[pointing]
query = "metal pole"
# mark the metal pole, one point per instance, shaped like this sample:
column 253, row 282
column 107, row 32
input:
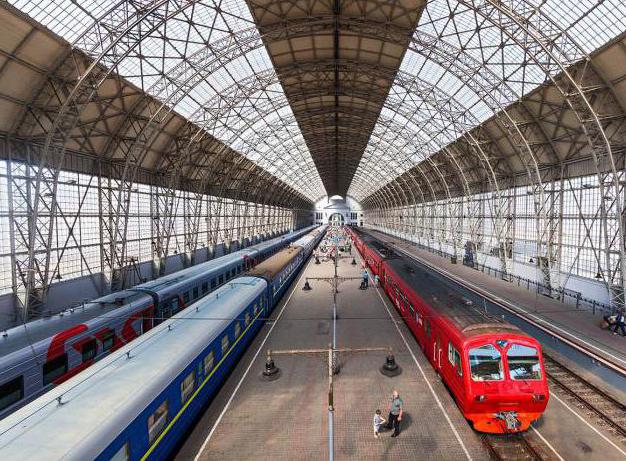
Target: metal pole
column 335, row 299
column 331, row 435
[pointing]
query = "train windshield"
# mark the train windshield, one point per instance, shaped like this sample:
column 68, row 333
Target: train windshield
column 486, row 363
column 523, row 362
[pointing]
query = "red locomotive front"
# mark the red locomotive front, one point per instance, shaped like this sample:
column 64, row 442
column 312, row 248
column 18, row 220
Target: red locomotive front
column 505, row 380
column 494, row 370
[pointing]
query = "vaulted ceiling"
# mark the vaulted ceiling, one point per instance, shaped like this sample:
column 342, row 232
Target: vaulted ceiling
column 336, row 71
column 386, row 101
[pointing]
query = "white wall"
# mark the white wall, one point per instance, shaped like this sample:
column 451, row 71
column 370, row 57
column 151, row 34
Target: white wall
column 589, row 288
column 347, row 207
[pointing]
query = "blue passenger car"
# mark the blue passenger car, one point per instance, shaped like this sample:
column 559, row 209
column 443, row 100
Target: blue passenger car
column 46, row 352
column 139, row 401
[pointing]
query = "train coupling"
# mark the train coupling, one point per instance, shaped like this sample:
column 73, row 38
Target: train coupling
column 510, row 419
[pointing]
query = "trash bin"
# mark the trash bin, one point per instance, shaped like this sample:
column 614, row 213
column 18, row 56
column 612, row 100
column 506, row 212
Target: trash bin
column 453, row 259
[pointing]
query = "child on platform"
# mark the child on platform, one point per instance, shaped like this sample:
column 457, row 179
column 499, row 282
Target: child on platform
column 378, row 421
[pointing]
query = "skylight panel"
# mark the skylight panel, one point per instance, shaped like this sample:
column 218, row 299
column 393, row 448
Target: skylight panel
column 155, row 62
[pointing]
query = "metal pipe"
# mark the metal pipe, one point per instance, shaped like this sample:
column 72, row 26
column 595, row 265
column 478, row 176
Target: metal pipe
column 272, row 353
column 331, row 442
column 331, row 438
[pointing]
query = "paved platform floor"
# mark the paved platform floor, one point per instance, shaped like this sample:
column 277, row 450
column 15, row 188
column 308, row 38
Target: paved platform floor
column 287, row 419
column 580, row 324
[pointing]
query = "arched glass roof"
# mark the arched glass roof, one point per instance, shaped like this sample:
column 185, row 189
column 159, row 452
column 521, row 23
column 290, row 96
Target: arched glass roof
column 304, row 99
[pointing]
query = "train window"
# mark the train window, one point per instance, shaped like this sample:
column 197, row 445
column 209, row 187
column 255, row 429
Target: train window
column 209, row 360
column 455, row 359
column 107, row 341
column 11, row 392
column 213, row 284
column 221, row 279
column 54, row 368
column 256, row 309
column 89, row 350
column 195, row 293
column 226, row 275
column 174, row 304
column 247, row 318
column 205, row 287
column 412, row 309
column 186, row 297
column 523, row 362
column 485, row 363
column 225, row 344
column 237, row 329
column 186, row 387
column 123, row 454
column 157, row 421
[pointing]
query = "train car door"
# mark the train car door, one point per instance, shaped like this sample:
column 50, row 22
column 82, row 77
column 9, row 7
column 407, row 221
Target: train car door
column 436, row 348
column 455, row 381
column 167, row 308
column 147, row 321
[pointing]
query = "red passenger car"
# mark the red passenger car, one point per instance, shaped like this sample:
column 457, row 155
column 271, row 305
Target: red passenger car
column 373, row 251
column 493, row 370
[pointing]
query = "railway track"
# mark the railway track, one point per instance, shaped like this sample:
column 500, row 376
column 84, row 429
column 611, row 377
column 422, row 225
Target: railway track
column 607, row 412
column 511, row 447
column 604, row 411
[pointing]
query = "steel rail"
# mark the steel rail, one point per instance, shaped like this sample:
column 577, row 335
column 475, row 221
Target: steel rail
column 618, row 408
column 500, row 447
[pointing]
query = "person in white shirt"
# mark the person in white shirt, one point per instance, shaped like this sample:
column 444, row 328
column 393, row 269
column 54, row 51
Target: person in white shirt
column 378, row 422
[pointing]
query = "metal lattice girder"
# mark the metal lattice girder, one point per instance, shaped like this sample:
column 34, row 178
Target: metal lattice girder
column 529, row 137
column 554, row 64
column 115, row 38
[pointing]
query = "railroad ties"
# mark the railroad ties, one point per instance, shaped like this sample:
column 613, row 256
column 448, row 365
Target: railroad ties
column 509, row 447
column 606, row 411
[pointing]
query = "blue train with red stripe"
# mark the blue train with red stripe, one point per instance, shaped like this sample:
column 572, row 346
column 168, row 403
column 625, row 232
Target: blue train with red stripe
column 46, row 352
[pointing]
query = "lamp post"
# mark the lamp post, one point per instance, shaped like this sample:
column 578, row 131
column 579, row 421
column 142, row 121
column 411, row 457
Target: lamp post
column 389, row 368
column 272, row 372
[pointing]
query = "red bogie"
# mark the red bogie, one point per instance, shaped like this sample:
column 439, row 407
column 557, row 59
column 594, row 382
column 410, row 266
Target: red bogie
column 485, row 403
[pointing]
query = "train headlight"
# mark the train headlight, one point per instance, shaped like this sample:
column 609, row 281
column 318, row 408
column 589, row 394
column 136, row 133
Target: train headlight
column 539, row 397
column 481, row 398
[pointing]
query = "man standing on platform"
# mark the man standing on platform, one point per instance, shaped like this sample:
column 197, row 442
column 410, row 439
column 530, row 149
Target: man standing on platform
column 366, row 278
column 620, row 323
column 395, row 413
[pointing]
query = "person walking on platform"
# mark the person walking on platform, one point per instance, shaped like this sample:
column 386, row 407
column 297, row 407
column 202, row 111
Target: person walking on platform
column 366, row 279
column 619, row 323
column 395, row 413
column 376, row 280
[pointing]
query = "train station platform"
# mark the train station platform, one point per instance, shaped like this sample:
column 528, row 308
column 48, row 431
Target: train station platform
column 580, row 326
column 287, row 418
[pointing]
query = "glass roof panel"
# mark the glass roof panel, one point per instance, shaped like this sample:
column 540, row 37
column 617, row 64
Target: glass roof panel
column 494, row 72
column 192, row 65
column 498, row 58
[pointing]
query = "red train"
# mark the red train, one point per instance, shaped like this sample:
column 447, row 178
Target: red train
column 493, row 370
